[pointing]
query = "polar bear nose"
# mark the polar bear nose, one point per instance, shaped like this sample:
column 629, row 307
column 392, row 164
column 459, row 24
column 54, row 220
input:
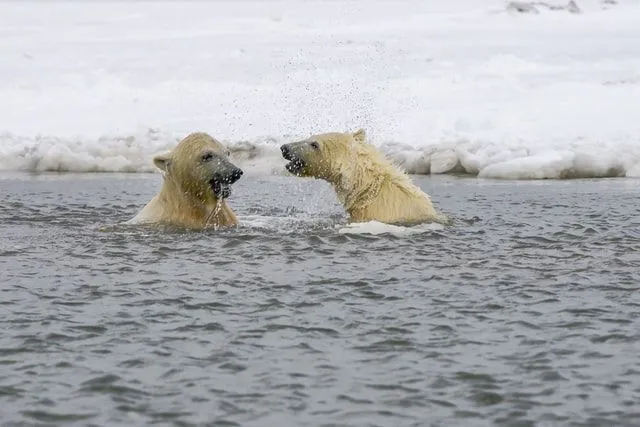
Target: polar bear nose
column 286, row 151
column 236, row 174
column 228, row 176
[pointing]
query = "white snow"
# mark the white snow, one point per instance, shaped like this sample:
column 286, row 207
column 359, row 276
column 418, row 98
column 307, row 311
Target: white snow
column 459, row 86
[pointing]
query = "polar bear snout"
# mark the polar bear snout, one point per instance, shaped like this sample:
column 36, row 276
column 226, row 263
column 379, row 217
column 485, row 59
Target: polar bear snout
column 223, row 178
column 221, row 182
column 286, row 151
column 291, row 152
column 235, row 175
column 228, row 176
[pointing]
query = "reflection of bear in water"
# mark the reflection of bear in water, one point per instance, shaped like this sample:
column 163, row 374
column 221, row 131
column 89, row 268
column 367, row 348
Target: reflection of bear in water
column 197, row 180
column 367, row 184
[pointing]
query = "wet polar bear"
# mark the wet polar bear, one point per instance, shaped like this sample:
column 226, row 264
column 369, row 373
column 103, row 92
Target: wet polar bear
column 197, row 181
column 368, row 185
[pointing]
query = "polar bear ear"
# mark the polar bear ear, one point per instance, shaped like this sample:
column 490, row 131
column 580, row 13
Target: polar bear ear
column 360, row 135
column 162, row 161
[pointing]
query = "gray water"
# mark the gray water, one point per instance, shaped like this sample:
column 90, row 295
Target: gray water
column 525, row 312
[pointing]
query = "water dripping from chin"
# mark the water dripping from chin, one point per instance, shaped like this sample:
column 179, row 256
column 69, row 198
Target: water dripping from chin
column 214, row 212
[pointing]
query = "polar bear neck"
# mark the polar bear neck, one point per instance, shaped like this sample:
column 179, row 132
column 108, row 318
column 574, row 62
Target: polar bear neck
column 357, row 194
column 362, row 176
column 186, row 204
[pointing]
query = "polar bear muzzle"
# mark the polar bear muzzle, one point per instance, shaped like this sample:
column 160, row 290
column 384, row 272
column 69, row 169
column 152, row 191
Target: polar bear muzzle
column 224, row 177
column 293, row 153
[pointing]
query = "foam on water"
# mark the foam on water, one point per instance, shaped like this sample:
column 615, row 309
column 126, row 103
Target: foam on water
column 468, row 87
column 284, row 224
column 376, row 228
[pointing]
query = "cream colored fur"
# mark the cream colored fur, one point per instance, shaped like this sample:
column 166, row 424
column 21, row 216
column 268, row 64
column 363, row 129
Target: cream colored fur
column 186, row 199
column 369, row 186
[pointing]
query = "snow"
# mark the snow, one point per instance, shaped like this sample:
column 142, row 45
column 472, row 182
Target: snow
column 464, row 86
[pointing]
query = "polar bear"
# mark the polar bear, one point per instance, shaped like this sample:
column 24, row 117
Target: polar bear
column 197, row 181
column 369, row 186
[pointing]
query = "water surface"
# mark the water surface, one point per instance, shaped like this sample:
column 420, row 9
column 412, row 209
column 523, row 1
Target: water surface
column 525, row 312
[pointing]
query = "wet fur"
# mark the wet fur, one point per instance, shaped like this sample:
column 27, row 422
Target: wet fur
column 369, row 186
column 186, row 199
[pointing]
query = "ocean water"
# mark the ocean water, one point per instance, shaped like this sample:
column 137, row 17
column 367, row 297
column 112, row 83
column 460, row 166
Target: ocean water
column 523, row 313
column 523, row 127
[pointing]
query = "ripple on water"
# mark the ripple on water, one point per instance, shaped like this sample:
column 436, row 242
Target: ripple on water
column 521, row 314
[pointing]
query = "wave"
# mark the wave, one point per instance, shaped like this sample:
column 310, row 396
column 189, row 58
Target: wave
column 516, row 160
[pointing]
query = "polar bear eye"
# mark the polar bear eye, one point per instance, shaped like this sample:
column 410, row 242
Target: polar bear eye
column 207, row 157
column 315, row 145
column 228, row 153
